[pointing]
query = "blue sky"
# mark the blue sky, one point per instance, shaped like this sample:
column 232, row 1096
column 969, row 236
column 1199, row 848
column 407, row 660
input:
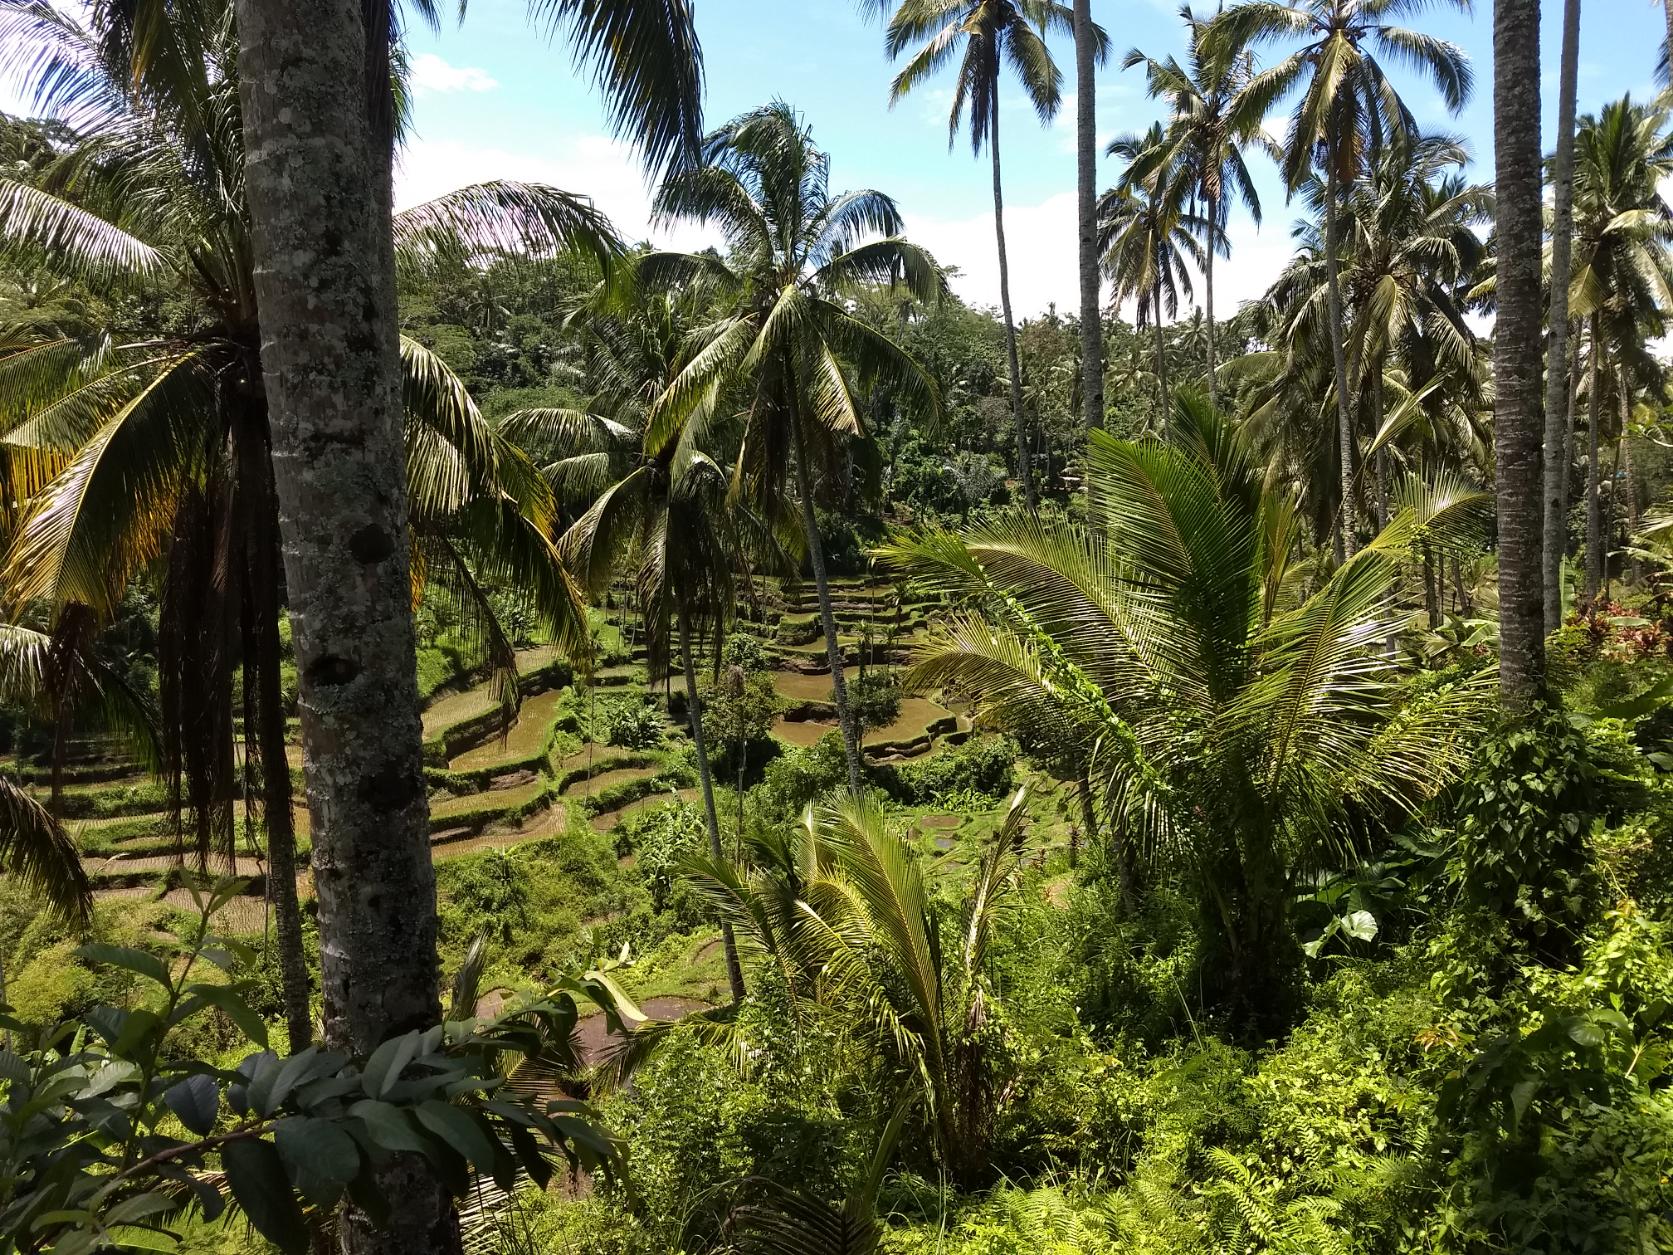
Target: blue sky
column 496, row 99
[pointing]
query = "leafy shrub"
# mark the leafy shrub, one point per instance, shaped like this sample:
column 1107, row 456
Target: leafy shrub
column 628, row 720
column 874, row 698
column 1523, row 814
column 50, row 987
column 983, row 769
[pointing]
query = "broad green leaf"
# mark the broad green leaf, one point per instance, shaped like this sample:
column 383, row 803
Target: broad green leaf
column 384, row 1068
column 195, row 1102
column 459, row 1131
column 145, row 964
column 320, row 1157
column 387, row 1126
column 259, row 1184
column 232, row 1004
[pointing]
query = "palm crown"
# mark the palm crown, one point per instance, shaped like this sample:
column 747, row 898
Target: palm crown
column 1227, row 722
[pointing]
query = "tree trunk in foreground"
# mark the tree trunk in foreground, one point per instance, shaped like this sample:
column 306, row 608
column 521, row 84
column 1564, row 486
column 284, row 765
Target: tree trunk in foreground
column 1025, row 475
column 1556, row 371
column 324, row 267
column 694, row 709
column 1516, row 352
column 1086, row 204
column 1339, row 363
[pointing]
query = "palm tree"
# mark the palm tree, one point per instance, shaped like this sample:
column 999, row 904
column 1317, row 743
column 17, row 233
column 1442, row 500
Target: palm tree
column 983, row 35
column 841, row 908
column 1231, row 724
column 1088, row 55
column 1148, row 236
column 1347, row 113
column 784, row 344
column 1215, row 115
column 1516, row 356
column 659, row 511
column 1623, row 267
column 158, row 443
column 1557, row 453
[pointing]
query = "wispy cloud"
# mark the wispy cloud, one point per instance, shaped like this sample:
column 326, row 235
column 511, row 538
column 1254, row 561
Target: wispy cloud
column 430, row 73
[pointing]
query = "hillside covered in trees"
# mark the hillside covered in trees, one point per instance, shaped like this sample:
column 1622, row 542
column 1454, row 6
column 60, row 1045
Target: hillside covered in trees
column 515, row 738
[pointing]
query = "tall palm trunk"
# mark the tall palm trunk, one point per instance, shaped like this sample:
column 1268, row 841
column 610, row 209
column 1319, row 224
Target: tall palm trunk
column 1024, row 471
column 1556, row 375
column 1163, row 391
column 1208, row 299
column 822, row 582
column 1339, row 362
column 694, row 709
column 318, row 192
column 1623, row 457
column 1517, row 428
column 1594, row 471
column 263, row 666
column 1086, row 204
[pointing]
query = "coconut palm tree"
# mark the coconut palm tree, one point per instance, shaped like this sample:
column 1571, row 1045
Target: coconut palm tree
column 1623, row 267
column 1148, row 235
column 1088, row 55
column 157, row 443
column 1230, row 724
column 1557, row 415
column 1517, row 425
column 841, row 908
column 658, row 511
column 317, row 73
column 1348, row 111
column 982, row 36
column 784, row 346
column 1215, row 116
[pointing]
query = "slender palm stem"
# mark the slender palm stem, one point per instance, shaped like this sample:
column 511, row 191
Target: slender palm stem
column 1162, row 389
column 1208, row 297
column 694, row 710
column 1024, row 471
column 1339, row 361
column 1556, row 377
column 1594, row 477
column 263, row 562
column 1086, row 192
column 822, row 583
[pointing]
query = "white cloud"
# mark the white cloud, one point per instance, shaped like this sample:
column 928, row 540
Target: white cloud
column 429, row 73
column 1041, row 242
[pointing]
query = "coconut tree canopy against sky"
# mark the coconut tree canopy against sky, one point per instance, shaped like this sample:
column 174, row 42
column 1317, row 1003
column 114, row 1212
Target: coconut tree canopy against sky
column 494, row 100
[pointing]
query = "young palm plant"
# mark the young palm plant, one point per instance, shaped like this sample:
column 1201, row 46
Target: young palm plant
column 785, row 347
column 657, row 509
column 1237, row 732
column 842, row 911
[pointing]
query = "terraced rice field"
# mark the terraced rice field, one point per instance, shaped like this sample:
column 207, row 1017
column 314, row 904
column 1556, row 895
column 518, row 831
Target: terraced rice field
column 132, row 846
column 602, row 781
column 525, row 738
column 608, row 820
column 798, row 687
